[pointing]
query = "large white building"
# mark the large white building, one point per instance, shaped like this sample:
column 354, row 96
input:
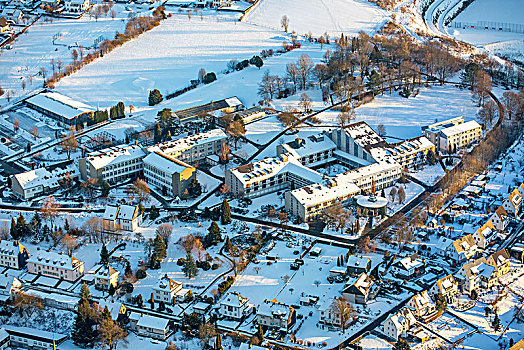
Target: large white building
column 234, row 306
column 310, row 151
column 76, row 6
column 55, row 265
column 453, row 134
column 122, row 217
column 114, row 164
column 193, row 148
column 41, row 181
column 166, row 289
column 168, row 175
column 13, row 254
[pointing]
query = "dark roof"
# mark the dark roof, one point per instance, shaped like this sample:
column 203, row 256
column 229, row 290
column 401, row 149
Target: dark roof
column 3, row 22
column 34, row 334
column 202, row 109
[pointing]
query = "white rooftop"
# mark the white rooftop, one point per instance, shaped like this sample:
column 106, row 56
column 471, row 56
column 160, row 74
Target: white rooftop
column 44, row 177
column 153, row 322
column 59, row 104
column 165, row 163
column 54, row 259
column 115, row 155
column 183, row 143
column 460, row 128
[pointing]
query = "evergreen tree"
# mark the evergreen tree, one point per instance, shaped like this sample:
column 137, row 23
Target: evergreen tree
column 84, row 329
column 104, row 255
column 189, row 296
column 214, row 235
column 401, row 344
column 431, row 158
column 139, row 300
column 229, row 245
column 128, row 272
column 22, row 228
column 165, row 118
column 105, row 189
column 152, row 301
column 374, row 82
column 36, row 222
column 66, row 225
column 85, row 293
column 28, row 148
column 260, row 333
column 106, row 315
column 194, row 189
column 257, row 61
column 153, row 262
column 158, row 134
column 160, row 247
column 14, row 232
column 225, row 213
column 218, row 343
column 190, row 269
column 155, row 97
column 496, row 322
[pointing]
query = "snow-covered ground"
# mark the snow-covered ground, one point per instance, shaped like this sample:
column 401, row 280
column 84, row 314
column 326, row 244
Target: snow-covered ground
column 319, row 16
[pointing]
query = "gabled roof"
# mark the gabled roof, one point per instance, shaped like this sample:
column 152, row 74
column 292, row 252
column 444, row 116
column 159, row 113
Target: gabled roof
column 275, row 309
column 498, row 258
column 445, row 284
column 362, row 285
column 464, row 244
column 234, row 299
column 167, row 284
column 166, row 163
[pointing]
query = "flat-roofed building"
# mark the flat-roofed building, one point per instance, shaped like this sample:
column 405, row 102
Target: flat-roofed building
column 453, row 134
column 167, row 175
column 60, row 107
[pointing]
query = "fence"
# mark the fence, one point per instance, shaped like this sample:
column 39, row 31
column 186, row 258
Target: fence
column 489, row 25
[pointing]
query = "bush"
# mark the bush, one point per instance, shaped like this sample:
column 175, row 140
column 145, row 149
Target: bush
column 209, row 78
column 215, row 266
column 181, row 262
column 204, row 265
column 155, row 97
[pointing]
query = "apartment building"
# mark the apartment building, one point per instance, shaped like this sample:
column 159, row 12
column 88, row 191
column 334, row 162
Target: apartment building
column 453, row 134
column 270, row 175
column 167, row 175
column 13, row 254
column 310, row 151
column 55, row 265
column 194, row 148
column 114, row 164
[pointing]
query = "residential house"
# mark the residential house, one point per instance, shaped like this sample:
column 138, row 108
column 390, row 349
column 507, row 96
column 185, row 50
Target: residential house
column 55, row 265
column 398, row 324
column 447, row 286
column 4, row 26
column 512, row 204
column 421, row 304
column 13, row 254
column 9, row 287
column 150, row 326
column 13, row 15
column 234, row 306
column 501, row 260
column 117, row 309
column 500, row 219
column 275, row 315
column 360, row 290
column 408, row 267
column 166, row 289
column 356, row 265
column 30, row 338
column 42, row 181
column 121, row 217
column 485, row 235
column 328, row 313
column 105, row 278
column 462, row 249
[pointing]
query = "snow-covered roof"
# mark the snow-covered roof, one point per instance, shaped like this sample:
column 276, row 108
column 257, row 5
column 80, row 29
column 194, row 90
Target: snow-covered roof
column 115, row 155
column 422, row 299
column 270, row 167
column 6, row 283
column 465, row 244
column 32, row 333
column 233, row 101
column 59, row 104
column 234, row 299
column 446, row 284
column 44, row 177
column 54, row 259
column 308, row 146
column 460, row 128
column 174, row 146
column 166, row 163
column 325, row 190
column 110, row 212
column 11, row 247
column 113, row 306
column 153, row 322
column 410, row 262
column 167, row 284
column 106, row 272
column 272, row 308
column 363, row 134
column 357, row 261
column 126, row 212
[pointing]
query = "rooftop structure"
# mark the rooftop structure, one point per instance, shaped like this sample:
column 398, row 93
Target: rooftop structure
column 41, row 181
column 59, row 107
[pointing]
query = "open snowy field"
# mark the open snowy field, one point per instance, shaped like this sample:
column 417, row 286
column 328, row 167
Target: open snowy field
column 167, row 58
column 319, row 16
column 35, row 49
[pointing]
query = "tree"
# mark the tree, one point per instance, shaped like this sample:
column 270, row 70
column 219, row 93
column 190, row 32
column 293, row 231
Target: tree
column 284, row 22
column 401, row 344
column 164, row 231
column 257, row 61
column 488, row 112
column 496, row 323
column 49, row 209
column 104, row 255
column 344, row 118
column 14, row 231
column 84, row 332
column 235, row 131
column 201, row 74
column 34, row 132
column 381, row 129
column 69, row 242
column 224, row 153
column 190, row 269
column 440, row 302
column 155, row 97
column 260, row 334
column 393, row 193
column 110, row 333
column 214, row 235
column 69, row 143
column 293, row 74
column 431, row 157
column 16, row 124
column 401, row 194
column 225, row 213
column 218, row 343
column 206, row 332
column 139, row 189
column 305, row 66
column 165, row 119
column 343, row 311
column 159, row 247
column 194, row 189
column 305, row 102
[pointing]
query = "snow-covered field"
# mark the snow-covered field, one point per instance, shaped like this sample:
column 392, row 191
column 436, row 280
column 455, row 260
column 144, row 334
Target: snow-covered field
column 319, row 16
column 34, row 49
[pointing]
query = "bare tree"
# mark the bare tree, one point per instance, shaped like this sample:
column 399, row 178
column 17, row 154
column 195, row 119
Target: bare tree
column 225, row 153
column 69, row 143
column 381, row 129
column 34, row 131
column 345, row 118
column 189, row 14
column 93, row 226
column 69, row 243
column 49, row 209
column 284, row 22
column 305, row 102
column 293, row 74
column 164, row 230
column 305, row 67
column 343, row 311
column 488, row 112
column 401, row 194
column 16, row 124
column 139, row 190
column 4, row 230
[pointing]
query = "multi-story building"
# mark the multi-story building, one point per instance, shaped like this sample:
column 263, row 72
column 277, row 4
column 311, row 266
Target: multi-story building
column 311, row 151
column 270, row 175
column 76, row 6
column 408, row 267
column 453, row 134
column 39, row 182
column 9, row 287
column 356, row 265
column 275, row 315
column 114, row 164
column 500, row 218
column 512, row 205
column 34, row 339
column 105, row 278
column 360, row 290
column 447, row 286
column 13, row 254
column 55, row 265
column 463, row 248
column 476, row 274
column 193, row 148
column 234, row 306
column 150, row 326
column 166, row 289
column 167, row 175
column 121, row 217
column 501, row 260
column 421, row 304
column 398, row 324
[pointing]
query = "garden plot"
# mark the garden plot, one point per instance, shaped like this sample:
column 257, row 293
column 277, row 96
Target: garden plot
column 319, row 16
column 35, row 49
